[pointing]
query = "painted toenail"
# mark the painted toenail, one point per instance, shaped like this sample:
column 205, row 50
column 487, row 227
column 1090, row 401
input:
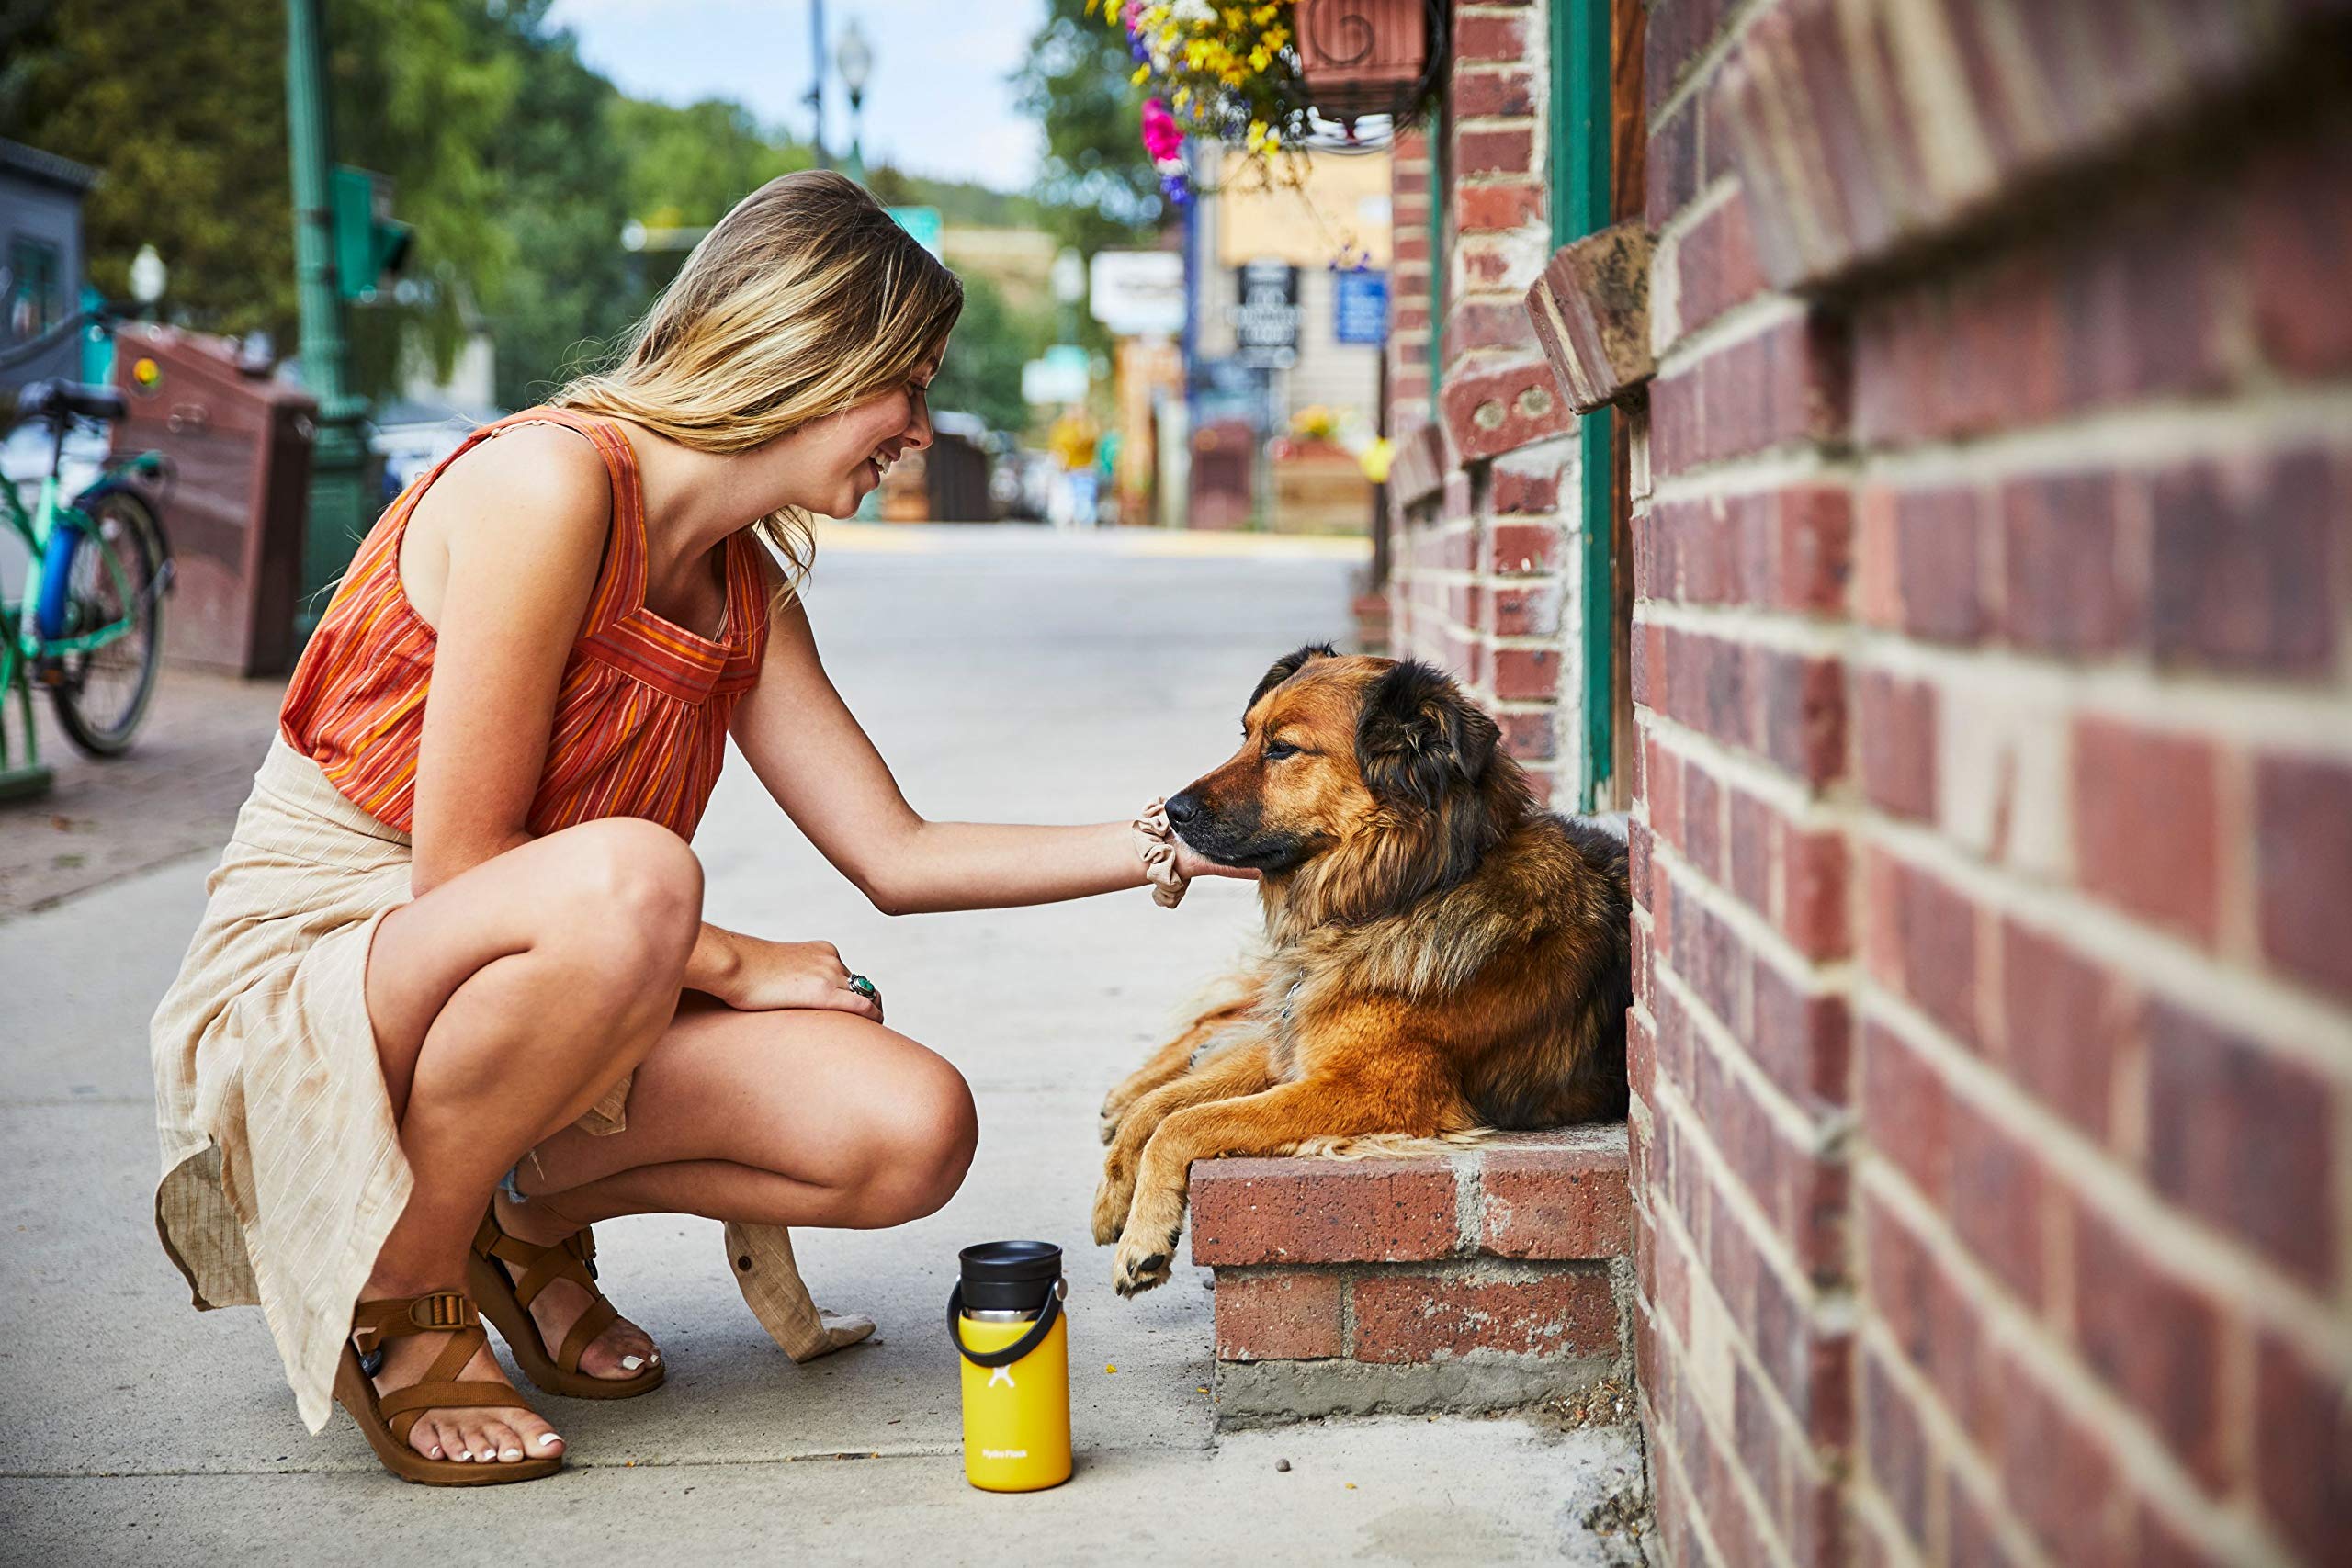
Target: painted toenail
column 547, row 1438
column 464, row 1454
column 510, row 1453
column 630, row 1363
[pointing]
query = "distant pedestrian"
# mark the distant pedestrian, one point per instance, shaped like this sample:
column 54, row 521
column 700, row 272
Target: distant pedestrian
column 452, row 998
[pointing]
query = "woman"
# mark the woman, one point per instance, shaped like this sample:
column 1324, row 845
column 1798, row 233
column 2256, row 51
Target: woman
column 452, row 999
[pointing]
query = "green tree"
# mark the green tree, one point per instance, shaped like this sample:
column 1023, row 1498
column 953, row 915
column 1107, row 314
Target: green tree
column 185, row 124
column 981, row 373
column 687, row 166
column 1097, row 189
column 564, row 202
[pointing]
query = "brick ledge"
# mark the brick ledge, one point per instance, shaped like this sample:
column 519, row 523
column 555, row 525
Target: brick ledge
column 1477, row 1278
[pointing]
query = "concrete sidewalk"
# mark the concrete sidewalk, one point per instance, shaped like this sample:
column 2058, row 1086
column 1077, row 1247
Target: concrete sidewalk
column 1007, row 676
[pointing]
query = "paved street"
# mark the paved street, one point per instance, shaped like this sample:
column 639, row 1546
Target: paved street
column 1007, row 674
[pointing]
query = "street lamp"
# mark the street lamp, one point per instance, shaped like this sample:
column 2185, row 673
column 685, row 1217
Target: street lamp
column 855, row 58
column 148, row 276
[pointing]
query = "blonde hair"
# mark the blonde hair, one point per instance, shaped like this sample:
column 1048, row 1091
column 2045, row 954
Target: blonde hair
column 806, row 299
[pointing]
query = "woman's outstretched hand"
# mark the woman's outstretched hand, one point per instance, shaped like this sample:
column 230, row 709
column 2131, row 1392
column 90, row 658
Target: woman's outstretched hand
column 771, row 975
column 1192, row 863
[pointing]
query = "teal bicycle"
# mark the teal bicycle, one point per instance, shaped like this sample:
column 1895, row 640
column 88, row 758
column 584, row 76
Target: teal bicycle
column 90, row 627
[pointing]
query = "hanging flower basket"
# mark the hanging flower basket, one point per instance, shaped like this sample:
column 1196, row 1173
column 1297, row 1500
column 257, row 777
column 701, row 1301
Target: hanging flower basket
column 1362, row 57
column 1247, row 75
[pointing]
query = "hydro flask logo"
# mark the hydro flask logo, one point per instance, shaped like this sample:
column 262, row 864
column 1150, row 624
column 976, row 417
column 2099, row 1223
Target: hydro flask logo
column 1003, row 1375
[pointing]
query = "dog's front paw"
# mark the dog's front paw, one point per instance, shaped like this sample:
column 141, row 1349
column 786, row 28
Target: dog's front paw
column 1141, row 1263
column 1106, row 1125
column 1153, row 1222
column 1112, row 1200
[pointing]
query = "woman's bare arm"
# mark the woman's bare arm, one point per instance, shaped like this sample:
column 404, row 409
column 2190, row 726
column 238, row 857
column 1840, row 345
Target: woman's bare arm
column 530, row 510
column 815, row 759
column 527, row 520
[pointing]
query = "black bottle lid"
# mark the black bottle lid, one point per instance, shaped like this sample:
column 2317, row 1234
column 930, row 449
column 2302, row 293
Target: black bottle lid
column 1009, row 1276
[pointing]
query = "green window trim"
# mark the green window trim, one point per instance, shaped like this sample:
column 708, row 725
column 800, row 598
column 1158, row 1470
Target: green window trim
column 1580, row 206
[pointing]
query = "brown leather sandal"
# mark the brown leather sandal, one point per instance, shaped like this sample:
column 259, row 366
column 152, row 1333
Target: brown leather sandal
column 387, row 1420
column 506, row 1294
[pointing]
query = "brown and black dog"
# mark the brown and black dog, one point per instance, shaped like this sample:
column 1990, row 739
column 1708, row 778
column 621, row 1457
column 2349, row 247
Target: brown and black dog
column 1442, row 954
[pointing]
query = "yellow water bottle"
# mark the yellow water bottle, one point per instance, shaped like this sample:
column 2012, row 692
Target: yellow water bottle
column 1005, row 1317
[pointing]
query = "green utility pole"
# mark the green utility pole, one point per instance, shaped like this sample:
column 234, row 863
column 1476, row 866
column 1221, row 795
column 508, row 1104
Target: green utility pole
column 339, row 511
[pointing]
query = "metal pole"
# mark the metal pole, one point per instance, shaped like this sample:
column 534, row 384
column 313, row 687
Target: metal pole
column 339, row 456
column 816, row 80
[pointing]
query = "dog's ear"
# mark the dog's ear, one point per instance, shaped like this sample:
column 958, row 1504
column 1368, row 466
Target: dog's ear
column 1288, row 665
column 1419, row 736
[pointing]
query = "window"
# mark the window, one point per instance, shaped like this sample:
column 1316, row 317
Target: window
column 33, row 287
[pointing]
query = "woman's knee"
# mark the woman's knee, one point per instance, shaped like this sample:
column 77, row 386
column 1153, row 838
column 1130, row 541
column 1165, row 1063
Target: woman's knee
column 636, row 896
column 921, row 1151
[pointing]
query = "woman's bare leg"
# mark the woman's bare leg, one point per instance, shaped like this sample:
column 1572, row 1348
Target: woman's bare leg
column 788, row 1118
column 504, row 1002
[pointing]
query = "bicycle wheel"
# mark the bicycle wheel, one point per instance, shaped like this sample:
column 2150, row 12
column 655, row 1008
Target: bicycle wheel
column 102, row 691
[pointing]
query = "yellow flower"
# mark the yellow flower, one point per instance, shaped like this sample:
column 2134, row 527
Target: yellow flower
column 1265, row 13
column 1256, row 139
column 1233, row 19
column 1274, row 140
column 1142, row 75
column 1183, row 97
column 1275, row 38
column 1260, row 58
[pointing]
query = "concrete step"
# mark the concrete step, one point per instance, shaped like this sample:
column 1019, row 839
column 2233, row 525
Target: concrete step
column 1475, row 1279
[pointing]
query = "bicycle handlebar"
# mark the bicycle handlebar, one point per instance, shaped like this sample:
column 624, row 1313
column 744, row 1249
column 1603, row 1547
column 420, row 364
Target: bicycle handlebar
column 105, row 315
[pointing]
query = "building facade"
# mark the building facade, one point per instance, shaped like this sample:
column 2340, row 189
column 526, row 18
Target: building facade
column 40, row 257
column 1901, row 452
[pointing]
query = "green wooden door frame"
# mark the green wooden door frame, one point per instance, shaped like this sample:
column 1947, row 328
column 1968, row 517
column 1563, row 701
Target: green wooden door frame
column 1580, row 206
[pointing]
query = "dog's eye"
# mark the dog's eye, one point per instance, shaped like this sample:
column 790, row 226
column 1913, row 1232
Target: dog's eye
column 1276, row 751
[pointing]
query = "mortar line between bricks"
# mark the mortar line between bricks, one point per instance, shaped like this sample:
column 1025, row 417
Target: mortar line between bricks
column 1704, row 204
column 1749, row 320
column 1833, row 1459
column 1809, row 808
column 2235, row 1272
column 1836, row 976
column 1870, row 1506
column 1828, row 1138
column 2209, row 985
column 2162, row 432
column 2146, row 1467
column 1753, row 473
column 1750, row 1496
column 1951, row 1446
column 1700, row 70
column 1695, row 1513
column 1812, row 633
column 2252, row 708
column 1764, row 1236
column 1469, row 1199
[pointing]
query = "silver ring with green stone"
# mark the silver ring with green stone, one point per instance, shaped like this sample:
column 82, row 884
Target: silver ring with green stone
column 865, row 988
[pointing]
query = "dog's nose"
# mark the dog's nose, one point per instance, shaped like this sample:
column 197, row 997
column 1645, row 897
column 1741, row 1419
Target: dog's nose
column 1182, row 808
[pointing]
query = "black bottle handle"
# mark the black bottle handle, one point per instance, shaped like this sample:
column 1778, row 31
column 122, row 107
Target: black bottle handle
column 1010, row 1353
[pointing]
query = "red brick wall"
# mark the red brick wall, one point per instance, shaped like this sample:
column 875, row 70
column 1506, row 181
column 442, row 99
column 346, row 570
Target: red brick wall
column 1993, row 1045
column 1478, row 552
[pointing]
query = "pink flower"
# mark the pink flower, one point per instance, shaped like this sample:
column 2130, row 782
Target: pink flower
column 1161, row 137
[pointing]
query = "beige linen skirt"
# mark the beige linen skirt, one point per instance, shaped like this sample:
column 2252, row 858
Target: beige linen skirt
column 283, row 1170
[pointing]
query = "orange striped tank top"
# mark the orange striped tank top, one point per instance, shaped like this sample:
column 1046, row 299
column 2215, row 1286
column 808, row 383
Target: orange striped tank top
column 640, row 717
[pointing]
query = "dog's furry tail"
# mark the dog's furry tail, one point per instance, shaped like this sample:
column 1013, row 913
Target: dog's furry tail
column 1375, row 1146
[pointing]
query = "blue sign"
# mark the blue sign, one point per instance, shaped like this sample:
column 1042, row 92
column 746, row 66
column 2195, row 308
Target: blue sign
column 1359, row 307
column 923, row 222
